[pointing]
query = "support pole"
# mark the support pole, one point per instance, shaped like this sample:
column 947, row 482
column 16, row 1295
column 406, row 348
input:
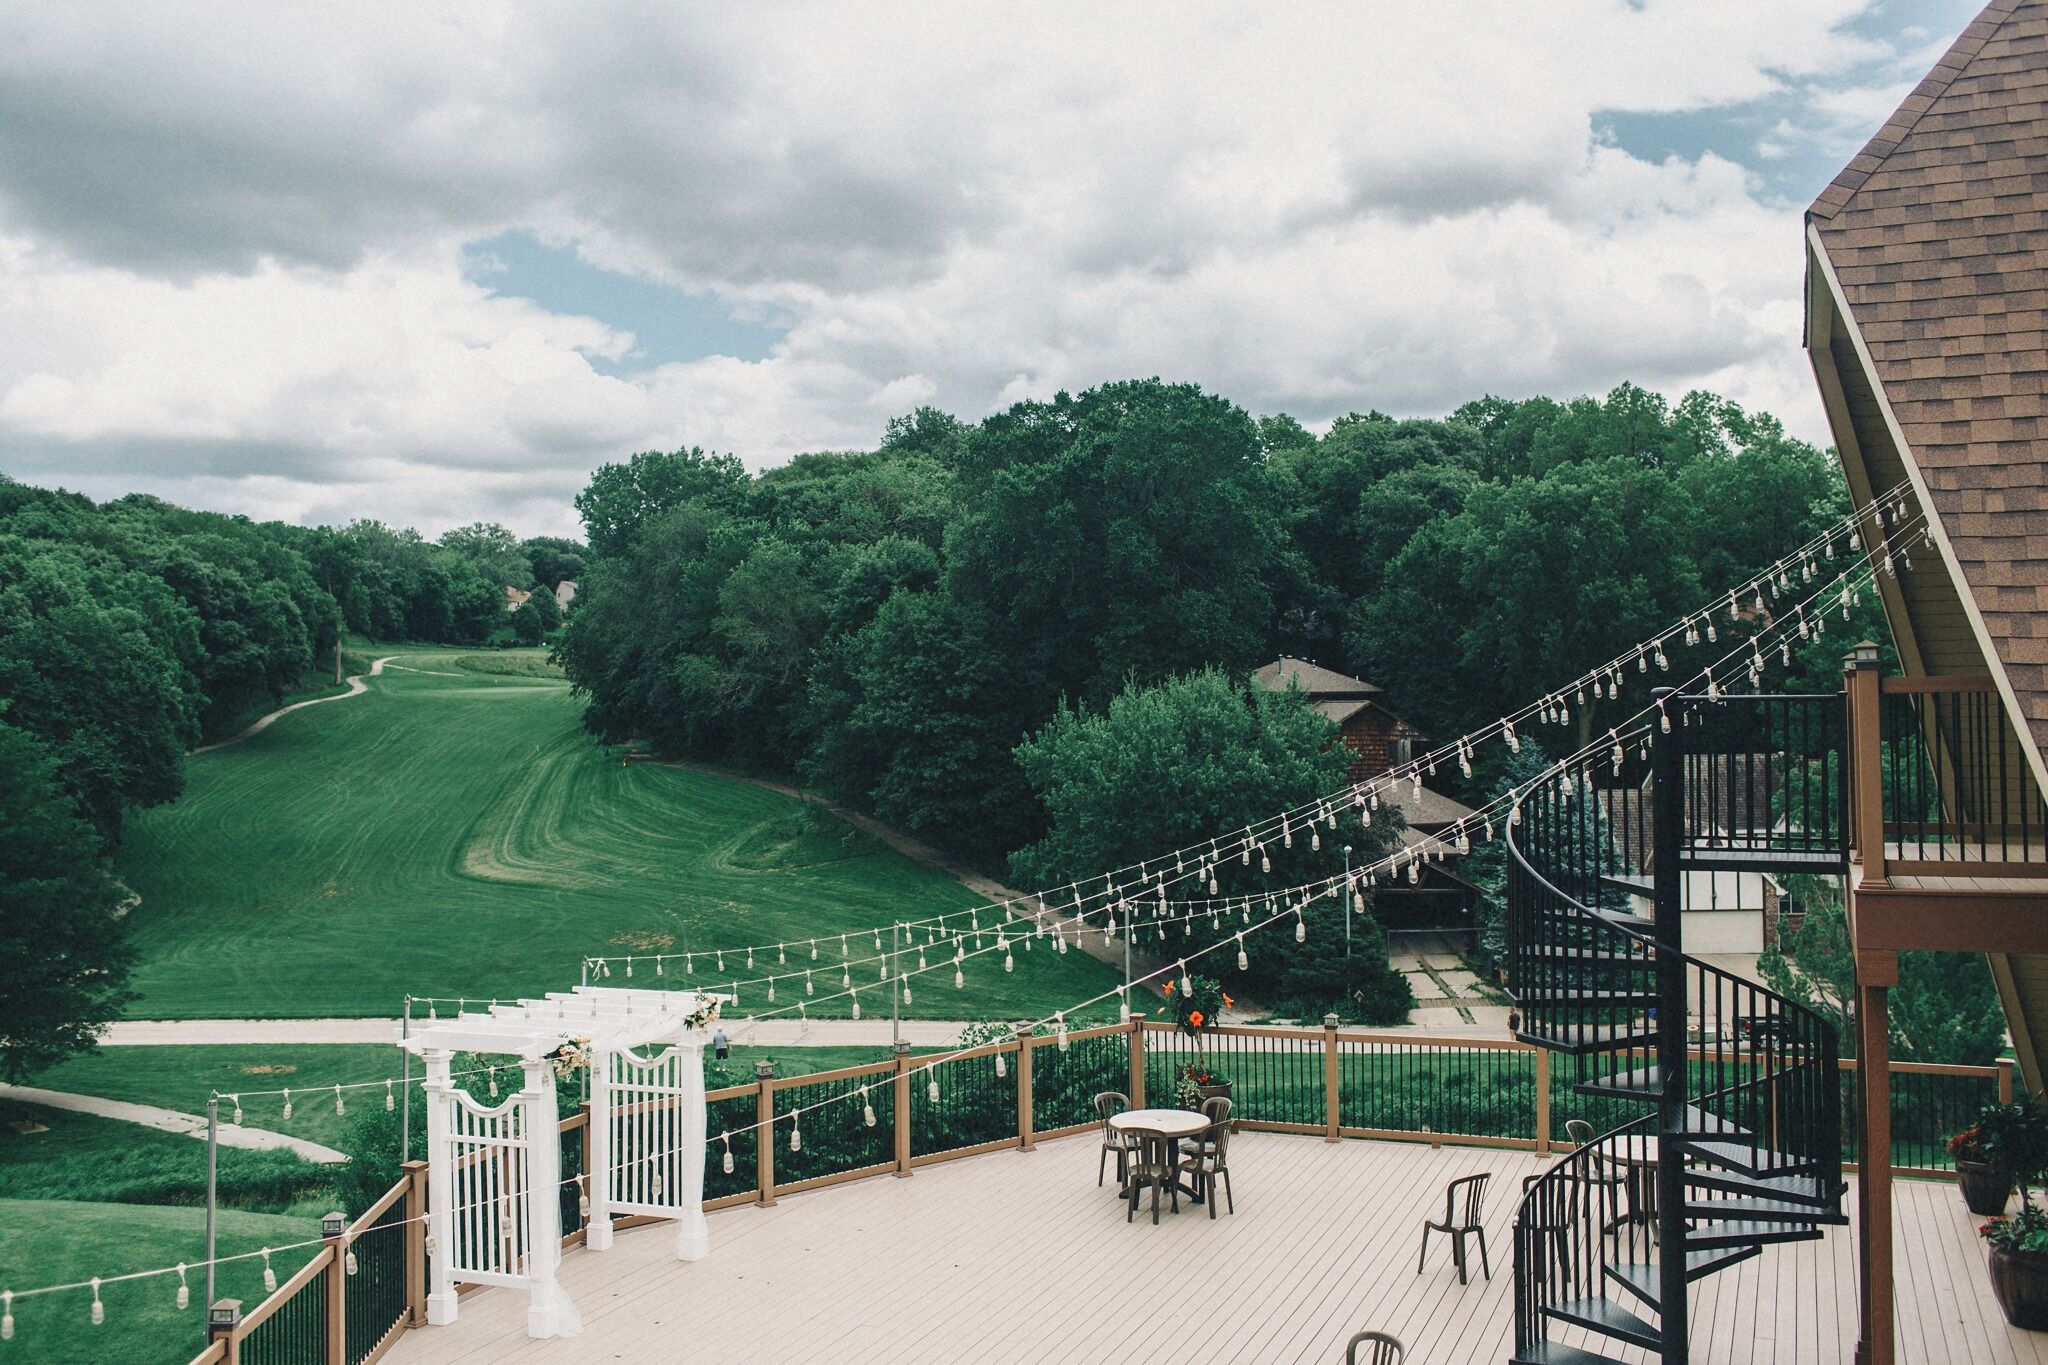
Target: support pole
column 895, row 985
column 1874, row 1175
column 212, row 1185
column 1668, row 833
column 405, row 1088
column 901, row 1104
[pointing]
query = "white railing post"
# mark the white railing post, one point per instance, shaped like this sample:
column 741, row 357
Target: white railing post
column 543, row 1140
column 440, row 1192
column 693, row 1233
column 597, row 1141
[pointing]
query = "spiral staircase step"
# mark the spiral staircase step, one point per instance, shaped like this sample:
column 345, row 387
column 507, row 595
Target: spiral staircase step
column 1605, row 1316
column 1585, row 1038
column 1805, row 1190
column 1729, row 1236
column 1640, row 1278
column 1755, row 1162
column 1556, row 1353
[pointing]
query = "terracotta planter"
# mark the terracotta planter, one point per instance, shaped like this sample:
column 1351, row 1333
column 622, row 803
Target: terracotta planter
column 1986, row 1188
column 2020, row 1280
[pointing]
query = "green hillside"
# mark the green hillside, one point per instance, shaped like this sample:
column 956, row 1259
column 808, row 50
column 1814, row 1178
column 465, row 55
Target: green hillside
column 454, row 832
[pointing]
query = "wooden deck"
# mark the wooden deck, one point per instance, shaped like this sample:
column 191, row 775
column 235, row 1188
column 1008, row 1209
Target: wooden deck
column 1018, row 1257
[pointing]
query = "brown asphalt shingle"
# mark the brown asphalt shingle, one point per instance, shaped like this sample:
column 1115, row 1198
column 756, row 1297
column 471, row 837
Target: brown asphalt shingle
column 1938, row 234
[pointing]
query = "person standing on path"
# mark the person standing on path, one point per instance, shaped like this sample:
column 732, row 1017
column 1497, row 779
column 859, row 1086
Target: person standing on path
column 721, row 1046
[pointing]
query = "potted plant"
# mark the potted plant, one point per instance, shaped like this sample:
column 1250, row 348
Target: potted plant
column 2014, row 1137
column 2019, row 1266
column 1197, row 1003
column 1986, row 1186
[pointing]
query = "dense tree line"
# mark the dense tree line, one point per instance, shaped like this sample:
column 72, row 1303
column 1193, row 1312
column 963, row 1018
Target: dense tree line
column 892, row 624
column 131, row 631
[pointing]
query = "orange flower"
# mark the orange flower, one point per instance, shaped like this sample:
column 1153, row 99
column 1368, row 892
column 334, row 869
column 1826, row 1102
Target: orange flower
column 1196, row 1018
column 1228, row 1003
column 1169, row 988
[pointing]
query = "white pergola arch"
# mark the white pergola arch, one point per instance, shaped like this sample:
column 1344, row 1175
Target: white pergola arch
column 494, row 1173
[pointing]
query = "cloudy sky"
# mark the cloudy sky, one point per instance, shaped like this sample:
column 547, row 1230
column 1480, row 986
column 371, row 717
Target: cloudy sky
column 432, row 263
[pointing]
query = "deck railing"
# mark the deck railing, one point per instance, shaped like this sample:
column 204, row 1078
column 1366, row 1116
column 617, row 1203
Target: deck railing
column 1937, row 763
column 1330, row 1082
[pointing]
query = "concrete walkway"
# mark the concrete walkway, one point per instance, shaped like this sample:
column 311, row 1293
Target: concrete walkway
column 172, row 1121
column 356, row 688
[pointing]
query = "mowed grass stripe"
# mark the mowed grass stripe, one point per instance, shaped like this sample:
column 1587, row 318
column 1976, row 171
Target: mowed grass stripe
column 464, row 837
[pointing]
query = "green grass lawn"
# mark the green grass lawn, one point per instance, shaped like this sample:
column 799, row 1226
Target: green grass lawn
column 54, row 1241
column 454, row 832
column 83, row 1156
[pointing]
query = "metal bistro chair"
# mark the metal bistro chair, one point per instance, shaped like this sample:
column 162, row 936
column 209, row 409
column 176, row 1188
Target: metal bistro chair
column 1386, row 1350
column 1464, row 1200
column 1210, row 1160
column 1108, row 1105
column 1152, row 1164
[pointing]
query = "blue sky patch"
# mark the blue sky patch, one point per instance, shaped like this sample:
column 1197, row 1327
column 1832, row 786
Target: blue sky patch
column 668, row 324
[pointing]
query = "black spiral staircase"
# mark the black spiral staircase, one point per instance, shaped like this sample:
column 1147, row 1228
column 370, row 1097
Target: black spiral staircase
column 1714, row 1105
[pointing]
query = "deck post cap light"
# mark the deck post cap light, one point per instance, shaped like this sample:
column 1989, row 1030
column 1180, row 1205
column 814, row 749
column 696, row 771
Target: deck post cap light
column 224, row 1314
column 1863, row 655
column 333, row 1225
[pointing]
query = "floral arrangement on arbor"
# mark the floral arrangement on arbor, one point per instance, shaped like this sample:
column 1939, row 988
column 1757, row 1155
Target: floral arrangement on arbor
column 570, row 1058
column 705, row 1015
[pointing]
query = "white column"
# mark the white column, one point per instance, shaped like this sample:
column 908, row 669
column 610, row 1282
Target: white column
column 440, row 1191
column 597, row 1139
column 693, row 1233
column 545, row 1307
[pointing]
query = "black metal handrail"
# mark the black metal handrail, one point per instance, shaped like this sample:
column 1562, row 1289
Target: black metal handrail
column 1956, row 785
column 1756, row 1073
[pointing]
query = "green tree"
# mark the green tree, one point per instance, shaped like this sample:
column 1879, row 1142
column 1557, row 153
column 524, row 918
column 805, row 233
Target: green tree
column 495, row 551
column 1128, row 532
column 554, row 559
column 64, row 953
column 1228, row 755
column 622, row 498
column 526, row 626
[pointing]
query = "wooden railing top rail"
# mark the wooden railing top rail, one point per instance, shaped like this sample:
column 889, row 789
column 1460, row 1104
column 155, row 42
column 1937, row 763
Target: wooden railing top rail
column 392, row 1196
column 1948, row 683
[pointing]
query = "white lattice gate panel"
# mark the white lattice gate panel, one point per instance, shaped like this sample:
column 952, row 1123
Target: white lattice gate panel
column 490, row 1202
column 646, row 1139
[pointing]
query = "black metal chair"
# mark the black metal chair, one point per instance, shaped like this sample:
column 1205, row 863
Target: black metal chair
column 1108, row 1105
column 1386, row 1350
column 1464, row 1204
column 1152, row 1164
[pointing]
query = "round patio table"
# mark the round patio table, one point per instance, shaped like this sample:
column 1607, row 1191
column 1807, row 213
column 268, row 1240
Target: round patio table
column 1172, row 1124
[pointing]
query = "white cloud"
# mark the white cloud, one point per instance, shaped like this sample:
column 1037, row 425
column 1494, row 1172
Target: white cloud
column 231, row 247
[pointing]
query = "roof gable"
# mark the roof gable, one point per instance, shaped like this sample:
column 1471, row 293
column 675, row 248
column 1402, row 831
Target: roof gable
column 1937, row 238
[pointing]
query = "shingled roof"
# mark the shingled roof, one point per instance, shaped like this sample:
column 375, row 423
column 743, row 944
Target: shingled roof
column 1936, row 235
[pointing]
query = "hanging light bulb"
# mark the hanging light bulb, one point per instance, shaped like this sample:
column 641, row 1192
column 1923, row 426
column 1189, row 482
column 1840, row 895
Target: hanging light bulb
column 338, row 1108
column 99, row 1310
column 6, row 1315
column 1300, row 929
column 931, row 1092
column 659, row 968
column 796, row 1135
column 867, row 1109
column 906, row 990
column 348, row 1261
column 238, row 1107
column 856, row 1004
column 1060, row 1029
column 269, row 1275
column 781, row 956
column 1243, row 960
column 1002, row 1067
column 810, row 986
column 287, row 1105
column 726, row 1138
column 184, row 1290
column 959, row 978
column 629, row 967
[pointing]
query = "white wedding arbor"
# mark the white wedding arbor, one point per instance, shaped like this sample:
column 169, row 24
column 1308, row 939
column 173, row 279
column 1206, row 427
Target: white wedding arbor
column 494, row 1172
